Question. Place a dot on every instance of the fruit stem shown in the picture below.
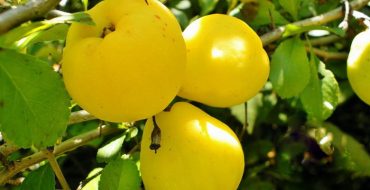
(108, 29)
(155, 137)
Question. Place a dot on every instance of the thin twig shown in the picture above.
(58, 172)
(31, 10)
(65, 146)
(317, 20)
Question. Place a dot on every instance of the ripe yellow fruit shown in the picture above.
(227, 64)
(358, 66)
(130, 65)
(197, 152)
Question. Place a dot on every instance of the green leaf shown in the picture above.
(291, 30)
(120, 174)
(320, 97)
(354, 152)
(81, 17)
(9, 39)
(259, 108)
(290, 70)
(291, 6)
(267, 14)
(207, 6)
(93, 183)
(42, 178)
(56, 32)
(111, 150)
(21, 36)
(181, 17)
(33, 101)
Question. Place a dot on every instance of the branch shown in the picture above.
(324, 40)
(80, 116)
(75, 117)
(33, 9)
(65, 146)
(329, 55)
(317, 20)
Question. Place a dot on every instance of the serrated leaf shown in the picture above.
(207, 6)
(320, 97)
(42, 178)
(291, 30)
(290, 70)
(120, 174)
(354, 152)
(111, 150)
(291, 6)
(267, 14)
(33, 101)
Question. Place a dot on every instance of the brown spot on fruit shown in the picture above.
(108, 29)
(158, 17)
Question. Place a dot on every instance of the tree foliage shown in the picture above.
(306, 129)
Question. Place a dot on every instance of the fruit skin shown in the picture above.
(197, 152)
(227, 64)
(358, 66)
(134, 71)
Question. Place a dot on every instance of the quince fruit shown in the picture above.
(130, 65)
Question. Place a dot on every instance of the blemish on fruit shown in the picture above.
(155, 137)
(146, 1)
(107, 30)
(158, 17)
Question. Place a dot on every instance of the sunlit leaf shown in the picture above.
(290, 70)
(111, 150)
(120, 174)
(42, 178)
(320, 97)
(93, 177)
(33, 101)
